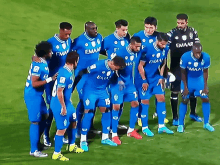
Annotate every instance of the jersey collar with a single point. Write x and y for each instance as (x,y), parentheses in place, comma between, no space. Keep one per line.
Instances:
(155,46)
(68,69)
(146,34)
(129,50)
(193,56)
(42,60)
(58,39)
(117,36)
(89,38)
(106,64)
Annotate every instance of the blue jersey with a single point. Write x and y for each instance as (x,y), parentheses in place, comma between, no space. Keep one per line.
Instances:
(64,80)
(153,58)
(39,69)
(60,49)
(88,49)
(113,42)
(194,67)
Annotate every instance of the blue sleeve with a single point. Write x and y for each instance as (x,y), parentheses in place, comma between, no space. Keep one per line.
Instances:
(207,61)
(183,61)
(74,44)
(93,68)
(105,44)
(35,69)
(61,80)
(143,54)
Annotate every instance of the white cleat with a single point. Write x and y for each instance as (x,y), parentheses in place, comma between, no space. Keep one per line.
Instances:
(38,154)
(46,141)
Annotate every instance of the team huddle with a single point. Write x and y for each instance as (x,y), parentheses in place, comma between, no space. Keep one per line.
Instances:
(135,69)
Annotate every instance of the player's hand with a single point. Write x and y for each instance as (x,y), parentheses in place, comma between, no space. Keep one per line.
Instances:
(205,91)
(54,77)
(121,85)
(185,92)
(63,111)
(145,86)
(162,83)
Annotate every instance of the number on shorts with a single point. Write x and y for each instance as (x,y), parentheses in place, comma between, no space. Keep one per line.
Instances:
(107,101)
(54,92)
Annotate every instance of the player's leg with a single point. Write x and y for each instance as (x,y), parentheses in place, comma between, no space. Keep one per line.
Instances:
(182,113)
(120,126)
(79,115)
(155,114)
(193,115)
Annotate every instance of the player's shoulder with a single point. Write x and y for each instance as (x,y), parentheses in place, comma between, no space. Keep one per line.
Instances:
(192,29)
(173,30)
(109,37)
(205,55)
(139,34)
(187,55)
(99,35)
(51,39)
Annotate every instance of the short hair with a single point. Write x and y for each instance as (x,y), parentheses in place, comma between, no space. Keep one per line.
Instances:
(151,21)
(121,22)
(72,57)
(182,16)
(135,39)
(162,37)
(43,48)
(119,61)
(197,45)
(89,23)
(65,25)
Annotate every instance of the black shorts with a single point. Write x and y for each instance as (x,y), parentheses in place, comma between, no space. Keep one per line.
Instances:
(175,86)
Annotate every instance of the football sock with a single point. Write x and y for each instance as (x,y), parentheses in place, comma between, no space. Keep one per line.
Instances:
(79,114)
(193,102)
(42,125)
(144,114)
(86,123)
(106,120)
(34,136)
(133,116)
(93,118)
(71,135)
(139,110)
(83,138)
(115,120)
(104,136)
(174,104)
(206,112)
(161,112)
(182,113)
(48,123)
(58,143)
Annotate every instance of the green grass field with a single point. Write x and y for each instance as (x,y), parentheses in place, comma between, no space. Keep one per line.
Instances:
(23,23)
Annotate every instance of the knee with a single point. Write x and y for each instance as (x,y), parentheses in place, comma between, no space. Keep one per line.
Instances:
(205,100)
(116,107)
(161,99)
(61,132)
(185,100)
(145,101)
(134,104)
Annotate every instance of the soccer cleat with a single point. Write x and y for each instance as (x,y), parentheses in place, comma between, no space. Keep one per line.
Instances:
(195,117)
(122,127)
(46,141)
(116,140)
(175,122)
(38,154)
(59,157)
(180,128)
(148,132)
(134,134)
(209,127)
(84,146)
(65,141)
(139,122)
(164,130)
(108,142)
(74,148)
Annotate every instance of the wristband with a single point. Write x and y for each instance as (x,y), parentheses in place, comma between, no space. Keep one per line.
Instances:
(49,79)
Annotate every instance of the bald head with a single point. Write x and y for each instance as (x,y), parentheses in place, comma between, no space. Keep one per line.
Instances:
(91,29)
(197,50)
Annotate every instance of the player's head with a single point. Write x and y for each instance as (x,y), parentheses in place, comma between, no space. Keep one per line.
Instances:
(182,21)
(135,44)
(150,25)
(65,30)
(121,27)
(162,40)
(43,49)
(72,59)
(117,63)
(91,29)
(197,50)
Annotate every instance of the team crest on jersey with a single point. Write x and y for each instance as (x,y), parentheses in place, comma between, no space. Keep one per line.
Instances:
(163,52)
(131,58)
(115,97)
(144,40)
(57,47)
(176,37)
(36,68)
(103,72)
(184,37)
(108,73)
(153,55)
(64,46)
(158,55)
(87,102)
(93,43)
(98,41)
(86,44)
(191,35)
(126,57)
(122,43)
(62,79)
(115,42)
(189,63)
(196,64)
(151,40)
(202,63)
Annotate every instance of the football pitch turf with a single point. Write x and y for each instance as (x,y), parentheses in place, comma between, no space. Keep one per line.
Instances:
(23,23)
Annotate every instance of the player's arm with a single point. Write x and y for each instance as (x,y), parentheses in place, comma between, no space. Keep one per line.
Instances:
(142,73)
(205,74)
(61,100)
(183,65)
(79,77)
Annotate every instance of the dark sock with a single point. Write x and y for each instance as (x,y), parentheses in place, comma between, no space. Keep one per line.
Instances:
(193,102)
(174,104)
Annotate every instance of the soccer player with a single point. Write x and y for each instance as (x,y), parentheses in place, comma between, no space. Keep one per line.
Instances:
(194,72)
(95,90)
(153,55)
(128,93)
(34,89)
(62,107)
(88,46)
(61,44)
(181,40)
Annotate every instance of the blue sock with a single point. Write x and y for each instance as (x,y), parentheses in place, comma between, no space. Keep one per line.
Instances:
(133,117)
(79,115)
(58,143)
(206,112)
(139,110)
(161,112)
(34,136)
(48,123)
(86,123)
(106,120)
(144,114)
(42,125)
(120,111)
(182,113)
(71,135)
(115,120)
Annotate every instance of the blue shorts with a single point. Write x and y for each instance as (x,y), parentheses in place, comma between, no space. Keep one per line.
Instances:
(80,86)
(99,98)
(36,107)
(62,122)
(128,94)
(195,87)
(153,89)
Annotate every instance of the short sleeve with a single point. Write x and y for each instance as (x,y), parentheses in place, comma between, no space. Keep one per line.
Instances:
(36,70)
(61,80)
(207,62)
(183,62)
(143,54)
(74,44)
